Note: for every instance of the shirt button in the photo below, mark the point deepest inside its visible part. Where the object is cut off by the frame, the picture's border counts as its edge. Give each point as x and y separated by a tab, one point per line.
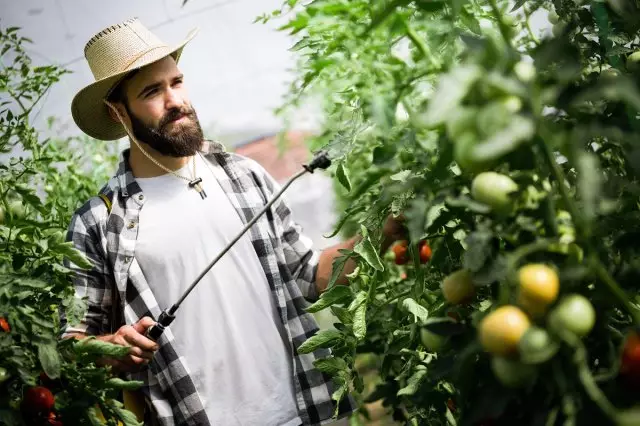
141	197
127	259
131	225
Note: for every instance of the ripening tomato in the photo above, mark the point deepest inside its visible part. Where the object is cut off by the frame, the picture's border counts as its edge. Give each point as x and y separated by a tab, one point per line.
502	329
458	287
4	325
431	341
494	190
400	249
573	313
425	251
38	398
630	366
539	287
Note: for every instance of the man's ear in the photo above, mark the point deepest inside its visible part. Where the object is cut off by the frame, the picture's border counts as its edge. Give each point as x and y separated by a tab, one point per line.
121	110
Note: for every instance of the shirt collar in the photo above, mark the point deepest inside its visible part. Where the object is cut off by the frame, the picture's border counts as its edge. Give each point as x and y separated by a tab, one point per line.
127	182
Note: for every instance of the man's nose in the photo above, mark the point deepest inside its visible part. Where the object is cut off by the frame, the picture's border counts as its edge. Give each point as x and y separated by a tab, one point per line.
173	100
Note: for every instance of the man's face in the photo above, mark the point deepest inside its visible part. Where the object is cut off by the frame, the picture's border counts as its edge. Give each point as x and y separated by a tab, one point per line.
160	112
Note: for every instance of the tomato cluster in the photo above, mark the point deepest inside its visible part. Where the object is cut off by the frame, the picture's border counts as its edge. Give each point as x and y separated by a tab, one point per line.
401	252
509	335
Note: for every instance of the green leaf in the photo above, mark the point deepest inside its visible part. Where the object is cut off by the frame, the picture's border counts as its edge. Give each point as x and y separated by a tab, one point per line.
413	384
50	359
419	312
330	365
343	314
93	346
369	253
75	256
323	339
337	294
480	249
401	176
125	416
360	321
342	176
589	184
118	383
450	91
519	130
518	5
360	298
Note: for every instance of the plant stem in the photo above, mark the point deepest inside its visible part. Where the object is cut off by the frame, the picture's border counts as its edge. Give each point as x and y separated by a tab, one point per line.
504	30
614	288
421	45
528	26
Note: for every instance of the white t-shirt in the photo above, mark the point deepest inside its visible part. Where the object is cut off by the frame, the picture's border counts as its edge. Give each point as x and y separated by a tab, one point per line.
228	328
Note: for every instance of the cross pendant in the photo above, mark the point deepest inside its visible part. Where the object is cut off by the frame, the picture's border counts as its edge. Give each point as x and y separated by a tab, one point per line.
196	184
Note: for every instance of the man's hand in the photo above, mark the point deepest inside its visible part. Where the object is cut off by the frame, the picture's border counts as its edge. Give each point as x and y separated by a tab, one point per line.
394	229
141	349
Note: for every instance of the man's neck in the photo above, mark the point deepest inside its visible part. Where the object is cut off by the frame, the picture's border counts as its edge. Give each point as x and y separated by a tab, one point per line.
142	167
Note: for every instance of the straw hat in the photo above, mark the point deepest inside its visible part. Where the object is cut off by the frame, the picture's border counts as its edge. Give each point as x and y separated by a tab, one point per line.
113	53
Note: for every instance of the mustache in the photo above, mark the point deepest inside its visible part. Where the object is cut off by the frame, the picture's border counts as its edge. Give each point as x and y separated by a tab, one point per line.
175	114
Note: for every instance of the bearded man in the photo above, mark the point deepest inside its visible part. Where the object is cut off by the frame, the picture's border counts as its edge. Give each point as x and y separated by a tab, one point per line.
230	357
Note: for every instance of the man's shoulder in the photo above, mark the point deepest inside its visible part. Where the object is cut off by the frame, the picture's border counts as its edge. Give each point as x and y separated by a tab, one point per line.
96	208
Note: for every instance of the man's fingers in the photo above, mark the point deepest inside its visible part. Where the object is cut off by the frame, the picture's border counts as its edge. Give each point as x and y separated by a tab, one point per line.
135	351
142	325
137	339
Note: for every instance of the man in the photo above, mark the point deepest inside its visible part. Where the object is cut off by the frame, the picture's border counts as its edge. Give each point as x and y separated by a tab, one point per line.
230	356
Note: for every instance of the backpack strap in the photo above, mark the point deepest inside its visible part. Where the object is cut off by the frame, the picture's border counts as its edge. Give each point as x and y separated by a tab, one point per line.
107	201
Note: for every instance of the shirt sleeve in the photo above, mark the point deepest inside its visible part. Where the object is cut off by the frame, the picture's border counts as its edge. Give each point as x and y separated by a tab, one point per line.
300	256
93	285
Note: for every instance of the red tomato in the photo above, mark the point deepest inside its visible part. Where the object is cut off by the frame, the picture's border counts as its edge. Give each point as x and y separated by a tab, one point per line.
39	399
425	252
631	358
4	325
400	250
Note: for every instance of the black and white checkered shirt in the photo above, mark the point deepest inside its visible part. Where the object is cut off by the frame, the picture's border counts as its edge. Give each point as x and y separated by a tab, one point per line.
288	260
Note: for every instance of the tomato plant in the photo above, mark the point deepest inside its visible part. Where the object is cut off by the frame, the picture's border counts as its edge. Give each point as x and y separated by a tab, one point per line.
503	148
42	181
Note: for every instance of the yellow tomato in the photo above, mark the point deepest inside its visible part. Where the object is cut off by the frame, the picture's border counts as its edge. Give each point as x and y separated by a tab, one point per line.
539	286
502	329
458	287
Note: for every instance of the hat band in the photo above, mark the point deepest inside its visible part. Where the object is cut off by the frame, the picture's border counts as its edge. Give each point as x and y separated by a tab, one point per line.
141	54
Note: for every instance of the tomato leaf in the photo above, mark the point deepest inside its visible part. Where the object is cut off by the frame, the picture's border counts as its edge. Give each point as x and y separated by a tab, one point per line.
330	365
118	383
369	253
419	312
519	130
322	339
360	321
49	359
450	91
343	314
75	256
93	346
342	176
337	294
413	384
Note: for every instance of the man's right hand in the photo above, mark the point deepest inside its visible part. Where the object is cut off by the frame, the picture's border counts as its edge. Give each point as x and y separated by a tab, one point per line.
141	349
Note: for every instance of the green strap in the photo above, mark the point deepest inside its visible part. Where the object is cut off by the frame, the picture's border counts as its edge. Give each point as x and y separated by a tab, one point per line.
107	202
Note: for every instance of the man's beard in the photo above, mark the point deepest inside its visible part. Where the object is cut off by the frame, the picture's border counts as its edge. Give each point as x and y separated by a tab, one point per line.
184	141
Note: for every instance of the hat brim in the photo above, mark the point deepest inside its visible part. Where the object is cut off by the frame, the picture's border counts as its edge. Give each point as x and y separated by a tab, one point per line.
88	108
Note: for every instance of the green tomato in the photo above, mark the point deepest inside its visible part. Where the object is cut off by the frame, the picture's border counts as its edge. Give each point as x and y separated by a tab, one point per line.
494	190
4	375
525	71
17	210
575	314
432	342
553	17
512	373
610	74
633	61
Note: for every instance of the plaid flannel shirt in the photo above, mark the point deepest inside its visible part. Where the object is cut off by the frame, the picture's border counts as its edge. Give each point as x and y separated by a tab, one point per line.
289	263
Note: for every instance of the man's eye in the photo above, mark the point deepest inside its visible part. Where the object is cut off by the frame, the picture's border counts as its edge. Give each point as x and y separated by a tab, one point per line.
177	82
151	92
